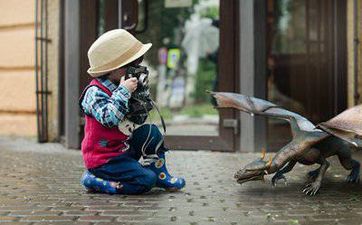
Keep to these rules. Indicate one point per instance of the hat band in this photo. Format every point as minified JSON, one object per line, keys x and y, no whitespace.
{"x":123,"y":58}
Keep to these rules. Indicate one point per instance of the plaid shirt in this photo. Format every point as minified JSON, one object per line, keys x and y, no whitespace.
{"x":108,"y":110}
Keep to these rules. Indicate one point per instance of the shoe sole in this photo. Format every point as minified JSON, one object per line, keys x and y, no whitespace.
{"x":174,"y":189}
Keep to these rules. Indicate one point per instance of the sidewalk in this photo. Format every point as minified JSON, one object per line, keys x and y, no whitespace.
{"x":40,"y":185}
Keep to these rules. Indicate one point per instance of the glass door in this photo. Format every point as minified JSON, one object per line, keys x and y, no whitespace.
{"x":192,"y":43}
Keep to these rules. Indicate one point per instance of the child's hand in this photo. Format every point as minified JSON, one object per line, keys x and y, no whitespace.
{"x":130,"y":84}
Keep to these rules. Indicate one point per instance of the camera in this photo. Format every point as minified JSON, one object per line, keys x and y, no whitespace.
{"x":139,"y":72}
{"x":140,"y":102}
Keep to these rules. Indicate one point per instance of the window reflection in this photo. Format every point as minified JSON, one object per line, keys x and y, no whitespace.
{"x":299,"y":69}
{"x":286,"y":56}
{"x":183,"y":64}
{"x":289,"y":27}
{"x":101,"y":19}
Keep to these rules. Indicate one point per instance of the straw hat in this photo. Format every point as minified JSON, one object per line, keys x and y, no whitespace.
{"x":113,"y":50}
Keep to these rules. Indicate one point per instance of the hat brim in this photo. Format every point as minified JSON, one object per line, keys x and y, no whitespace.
{"x":97,"y":73}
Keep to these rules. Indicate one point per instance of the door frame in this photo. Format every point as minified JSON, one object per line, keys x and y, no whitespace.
{"x":228,"y":72}
{"x":80,"y":31}
{"x":243,"y":27}
{"x":252,"y":68}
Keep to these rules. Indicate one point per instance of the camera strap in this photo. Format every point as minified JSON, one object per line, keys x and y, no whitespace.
{"x":161,"y":117}
{"x":158,"y":111}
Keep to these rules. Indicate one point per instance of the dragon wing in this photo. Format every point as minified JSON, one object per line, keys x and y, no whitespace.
{"x":305,"y":133}
{"x":346,"y":125}
{"x":256,"y":106}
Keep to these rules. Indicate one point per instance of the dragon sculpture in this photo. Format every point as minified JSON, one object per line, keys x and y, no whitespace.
{"x":310,"y":144}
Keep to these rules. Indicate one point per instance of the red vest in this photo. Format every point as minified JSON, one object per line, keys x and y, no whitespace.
{"x":100,"y":143}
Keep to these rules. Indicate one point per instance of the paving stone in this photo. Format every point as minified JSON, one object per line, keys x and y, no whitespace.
{"x":47,"y":218}
{"x":42,"y":187}
{"x":8,"y":218}
{"x":97,"y":218}
{"x":61,"y":223}
{"x":16,"y":223}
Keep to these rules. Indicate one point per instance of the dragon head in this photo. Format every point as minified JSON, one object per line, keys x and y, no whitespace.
{"x":254,"y":170}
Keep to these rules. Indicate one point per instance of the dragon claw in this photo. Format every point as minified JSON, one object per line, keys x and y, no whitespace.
{"x":312,"y":175}
{"x":353,"y":177}
{"x":311,"y":189}
{"x":278,"y":177}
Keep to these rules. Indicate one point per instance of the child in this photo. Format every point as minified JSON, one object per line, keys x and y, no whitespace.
{"x":110,"y":152}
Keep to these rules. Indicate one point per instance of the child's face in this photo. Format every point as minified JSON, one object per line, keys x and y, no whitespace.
{"x":116,"y":75}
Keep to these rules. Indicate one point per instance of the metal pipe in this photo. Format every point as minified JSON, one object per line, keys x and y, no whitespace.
{"x":45,"y":106}
{"x":36,"y":69}
{"x":41,"y":74}
{"x":61,"y":72}
{"x":42,"y":69}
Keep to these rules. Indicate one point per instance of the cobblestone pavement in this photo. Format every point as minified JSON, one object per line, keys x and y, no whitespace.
{"x":40,"y":185}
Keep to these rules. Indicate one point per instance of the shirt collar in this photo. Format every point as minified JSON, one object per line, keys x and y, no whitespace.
{"x":107,"y":83}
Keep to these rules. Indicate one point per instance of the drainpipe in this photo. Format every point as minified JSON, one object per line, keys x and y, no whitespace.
{"x":41,"y":76}
{"x":36,"y":70}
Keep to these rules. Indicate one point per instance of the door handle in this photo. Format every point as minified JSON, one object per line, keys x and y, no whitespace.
{"x":129,"y":15}
{"x":143,"y":21}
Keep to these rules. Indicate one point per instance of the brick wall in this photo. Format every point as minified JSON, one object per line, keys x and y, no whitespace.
{"x":17,"y":74}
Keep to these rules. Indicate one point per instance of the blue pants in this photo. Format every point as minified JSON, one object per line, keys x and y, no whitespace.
{"x":126,"y":169}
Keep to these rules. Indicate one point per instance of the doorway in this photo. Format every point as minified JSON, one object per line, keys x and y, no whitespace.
{"x":192,"y":43}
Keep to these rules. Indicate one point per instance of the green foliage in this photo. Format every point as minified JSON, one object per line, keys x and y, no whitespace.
{"x":289,"y":27}
{"x":293,"y":222}
{"x":165,"y":112}
{"x":210,"y":12}
{"x":206,"y":76}
{"x":168,"y":24}
{"x":199,"y":110}
{"x":164,"y":23}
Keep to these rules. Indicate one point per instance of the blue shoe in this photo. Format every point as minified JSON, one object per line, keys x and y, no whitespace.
{"x":164,"y":179}
{"x":95,"y":184}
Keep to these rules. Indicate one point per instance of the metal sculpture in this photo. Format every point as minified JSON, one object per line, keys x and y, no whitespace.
{"x":310,"y":144}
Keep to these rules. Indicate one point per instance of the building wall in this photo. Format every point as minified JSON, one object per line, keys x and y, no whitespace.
{"x":17,"y":72}
{"x":53,"y":71}
{"x":17,"y":98}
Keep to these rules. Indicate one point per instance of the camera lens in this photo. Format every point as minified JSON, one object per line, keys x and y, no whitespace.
{"x":143,"y":79}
